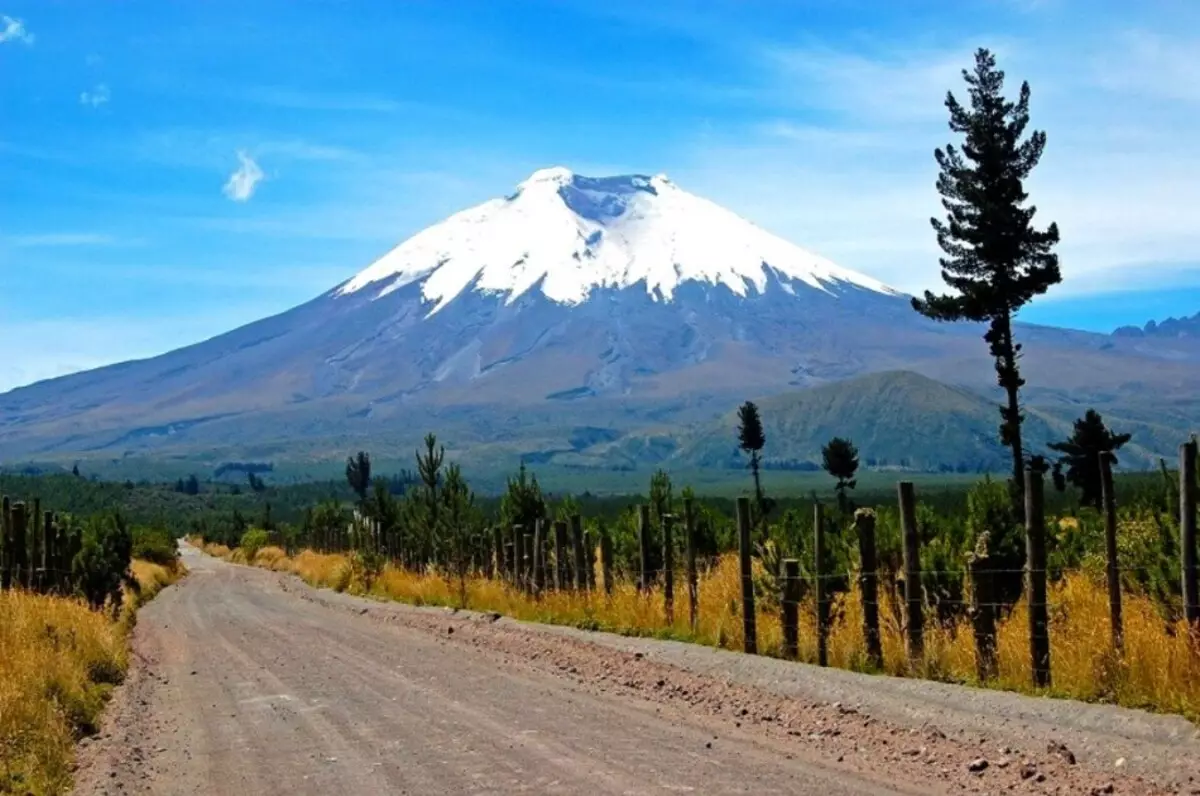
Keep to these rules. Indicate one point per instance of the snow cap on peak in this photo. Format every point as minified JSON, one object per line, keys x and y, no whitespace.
{"x":555,"y":175}
{"x":567,"y":235}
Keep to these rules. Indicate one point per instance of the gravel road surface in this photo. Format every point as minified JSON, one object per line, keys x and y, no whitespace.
{"x":249,"y":682}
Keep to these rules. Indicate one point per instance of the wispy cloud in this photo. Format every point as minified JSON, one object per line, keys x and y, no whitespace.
{"x":892,"y":87}
{"x":1153,"y":64}
{"x":188,"y":147}
{"x":62,"y":239}
{"x":96,"y":97}
{"x":848,"y":170}
{"x":242,"y":183}
{"x":298,"y":149}
{"x":14,"y":30}
{"x":317,"y":101}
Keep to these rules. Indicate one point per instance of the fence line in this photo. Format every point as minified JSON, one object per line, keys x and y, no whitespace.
{"x":36,"y":550}
{"x":564,"y":561}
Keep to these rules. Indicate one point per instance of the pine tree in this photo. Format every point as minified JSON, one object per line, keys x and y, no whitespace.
{"x":839,"y":458}
{"x":457,"y":535}
{"x":423,"y":508}
{"x":996,"y":261}
{"x":1080,"y":456}
{"x":358,"y":475}
{"x":523,"y":503}
{"x":661,"y":500}
{"x":751,"y":439}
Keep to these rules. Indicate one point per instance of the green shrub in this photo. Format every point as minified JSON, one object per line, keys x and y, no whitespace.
{"x":102,"y":564}
{"x":253,"y":541}
{"x":155,"y":545}
{"x":989,"y":511}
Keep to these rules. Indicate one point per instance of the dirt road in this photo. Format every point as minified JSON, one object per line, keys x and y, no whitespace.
{"x":246,"y":682}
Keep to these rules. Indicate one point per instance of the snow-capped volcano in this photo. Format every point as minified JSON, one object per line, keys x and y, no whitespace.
{"x":567,"y":235}
{"x":576,"y":313}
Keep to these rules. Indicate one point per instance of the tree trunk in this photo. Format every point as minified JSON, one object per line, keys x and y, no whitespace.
{"x":1010,"y":379}
{"x":758,"y":493}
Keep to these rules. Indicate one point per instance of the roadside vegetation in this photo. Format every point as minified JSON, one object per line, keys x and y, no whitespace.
{"x":1160,"y":670}
{"x":64,"y":652}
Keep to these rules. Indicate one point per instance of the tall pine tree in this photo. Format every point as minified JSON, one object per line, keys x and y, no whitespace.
{"x":995,"y":260}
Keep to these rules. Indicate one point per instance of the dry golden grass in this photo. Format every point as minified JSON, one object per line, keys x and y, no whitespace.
{"x":214,"y":549}
{"x":270,"y":557}
{"x":60,"y":661}
{"x":1160,"y":669}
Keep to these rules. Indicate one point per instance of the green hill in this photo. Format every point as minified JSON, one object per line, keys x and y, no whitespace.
{"x":898,"y":419}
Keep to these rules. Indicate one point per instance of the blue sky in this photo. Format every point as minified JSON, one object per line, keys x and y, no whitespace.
{"x":169,"y":171}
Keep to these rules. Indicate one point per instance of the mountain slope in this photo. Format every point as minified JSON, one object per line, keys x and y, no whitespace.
{"x":896,"y":418}
{"x":618,"y":303}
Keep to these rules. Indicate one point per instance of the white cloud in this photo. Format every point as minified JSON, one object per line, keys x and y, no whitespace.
{"x":96,"y":97}
{"x":844,"y":165}
{"x":241,"y":184}
{"x":14,"y":30}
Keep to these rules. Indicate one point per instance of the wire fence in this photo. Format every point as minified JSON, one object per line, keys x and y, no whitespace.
{"x":899,"y":616}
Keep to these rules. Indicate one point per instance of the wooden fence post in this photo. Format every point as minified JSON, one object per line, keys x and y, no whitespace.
{"x":50,"y":564}
{"x":1109,"y":500}
{"x":539,"y":557}
{"x":868,"y":581}
{"x":983,"y":616}
{"x":74,"y":543}
{"x":518,"y":556}
{"x":498,"y":551}
{"x":20,"y":519}
{"x":579,"y":571}
{"x":689,"y":531}
{"x":560,"y":555}
{"x":820,"y":584}
{"x":1187,"y":533}
{"x":525,"y":546}
{"x":644,"y":547}
{"x":668,"y":569}
{"x":606,"y":560}
{"x":749,"y":625}
{"x":37,"y":575}
{"x":591,"y":540}
{"x":1035,"y":577}
{"x":913,"y":609}
{"x":6,"y":544}
{"x":789,"y":603}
